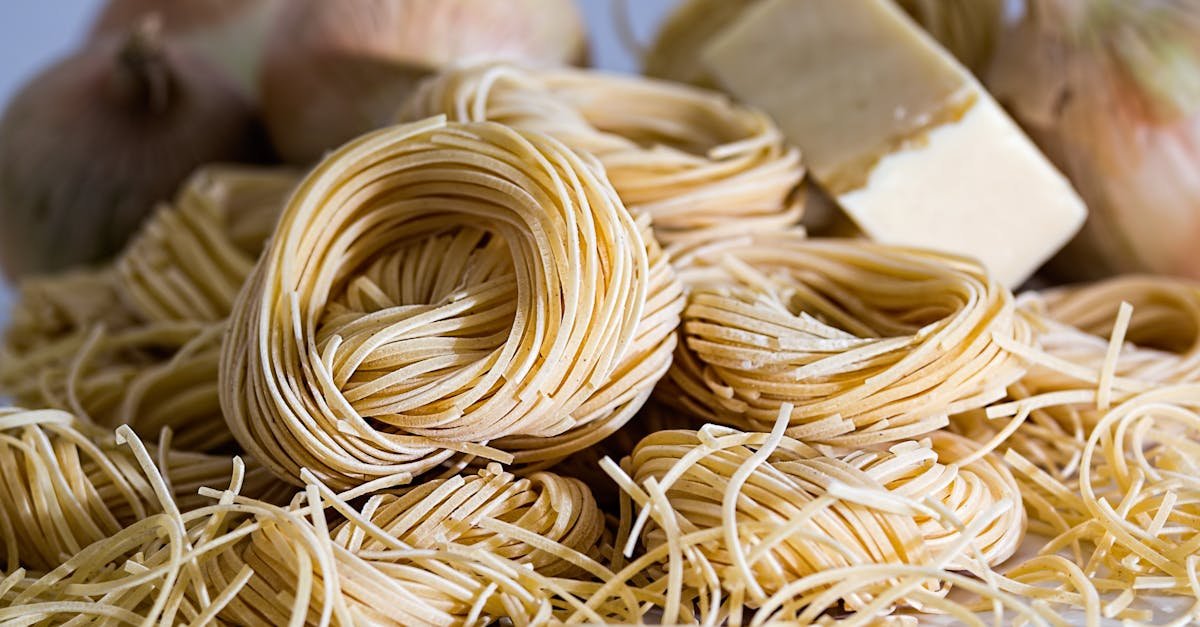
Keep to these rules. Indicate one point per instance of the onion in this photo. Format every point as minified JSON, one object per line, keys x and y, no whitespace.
{"x":227,"y":33}
{"x":967,"y":28}
{"x":91,"y":144}
{"x":335,"y":70}
{"x":1110,"y":89}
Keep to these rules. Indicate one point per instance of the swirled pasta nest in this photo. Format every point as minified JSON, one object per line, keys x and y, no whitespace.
{"x":439,"y":553}
{"x":699,"y":165}
{"x":869,"y":343}
{"x":458,"y":550}
{"x":761,"y":518}
{"x":443,"y":289}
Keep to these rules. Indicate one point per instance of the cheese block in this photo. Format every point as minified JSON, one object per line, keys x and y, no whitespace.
{"x":901,"y":135}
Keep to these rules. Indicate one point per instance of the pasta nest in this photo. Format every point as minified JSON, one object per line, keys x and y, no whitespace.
{"x":869,"y":343}
{"x":762,"y":515}
{"x":65,"y":484}
{"x":437,"y":289}
{"x":433,"y":554}
{"x":457,"y":550}
{"x":699,"y":165}
{"x":189,"y":260}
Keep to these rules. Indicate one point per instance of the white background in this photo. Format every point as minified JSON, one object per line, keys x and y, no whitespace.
{"x":33,"y":33}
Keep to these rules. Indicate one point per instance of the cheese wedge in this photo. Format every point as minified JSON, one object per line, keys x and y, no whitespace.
{"x":901,"y":135}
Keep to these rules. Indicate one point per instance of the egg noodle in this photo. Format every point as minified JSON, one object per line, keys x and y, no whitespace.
{"x":440,"y":289}
{"x":561,"y":360}
{"x":138,"y":341}
{"x":836,"y":330}
{"x":699,"y":165}
{"x":68,"y":484}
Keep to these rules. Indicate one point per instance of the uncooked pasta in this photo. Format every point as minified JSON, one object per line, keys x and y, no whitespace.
{"x":1131,"y":518}
{"x":469,"y":549}
{"x":48,"y":309}
{"x":440,"y":289}
{"x":90,"y":373}
{"x":138,"y":342}
{"x":745,"y":516}
{"x":148,"y":572}
{"x":868,"y":343}
{"x":191,"y":257}
{"x":1075,"y":327}
{"x":423,"y":555}
{"x":699,"y":165}
{"x":66,"y":484}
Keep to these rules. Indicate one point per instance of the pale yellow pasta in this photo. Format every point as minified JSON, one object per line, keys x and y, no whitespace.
{"x":1158,"y":344}
{"x":61,"y":307}
{"x":1130,"y":520}
{"x":752,"y":514}
{"x":699,"y":165}
{"x":868,"y":343}
{"x":431,"y":547}
{"x":468,"y":550}
{"x":148,"y":572}
{"x":98,"y":376}
{"x":137,"y":342}
{"x":65,"y":484}
{"x":190,"y":258}
{"x":440,"y":289}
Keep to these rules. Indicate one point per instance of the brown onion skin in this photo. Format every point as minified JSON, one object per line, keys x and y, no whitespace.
{"x":332,"y":70}
{"x":230,"y":34}
{"x":179,"y":16}
{"x":84,"y":157}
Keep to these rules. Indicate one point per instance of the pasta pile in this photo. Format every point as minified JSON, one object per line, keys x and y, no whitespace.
{"x":465,"y":550}
{"x":138,"y":342}
{"x":1130,"y":516}
{"x":699,"y":165}
{"x":422,"y":556}
{"x":189,"y":261}
{"x":1075,"y":332}
{"x":834,"y":330}
{"x":67,"y":484}
{"x":755,"y":514}
{"x":558,"y":355}
{"x":440,"y":289}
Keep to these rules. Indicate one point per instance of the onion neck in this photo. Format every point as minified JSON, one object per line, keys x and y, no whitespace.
{"x":142,"y":77}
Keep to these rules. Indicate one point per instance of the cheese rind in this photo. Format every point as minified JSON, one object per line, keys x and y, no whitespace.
{"x":912,"y":147}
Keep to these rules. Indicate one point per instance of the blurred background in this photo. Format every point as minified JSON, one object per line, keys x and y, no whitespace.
{"x":34,"y":34}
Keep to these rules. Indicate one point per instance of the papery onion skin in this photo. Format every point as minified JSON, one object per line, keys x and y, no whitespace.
{"x":333,"y":71}
{"x":1109,"y":91}
{"x":88,"y":147}
{"x":228,"y":33}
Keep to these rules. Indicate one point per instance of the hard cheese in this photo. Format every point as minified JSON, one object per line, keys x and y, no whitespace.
{"x":904,"y":138}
